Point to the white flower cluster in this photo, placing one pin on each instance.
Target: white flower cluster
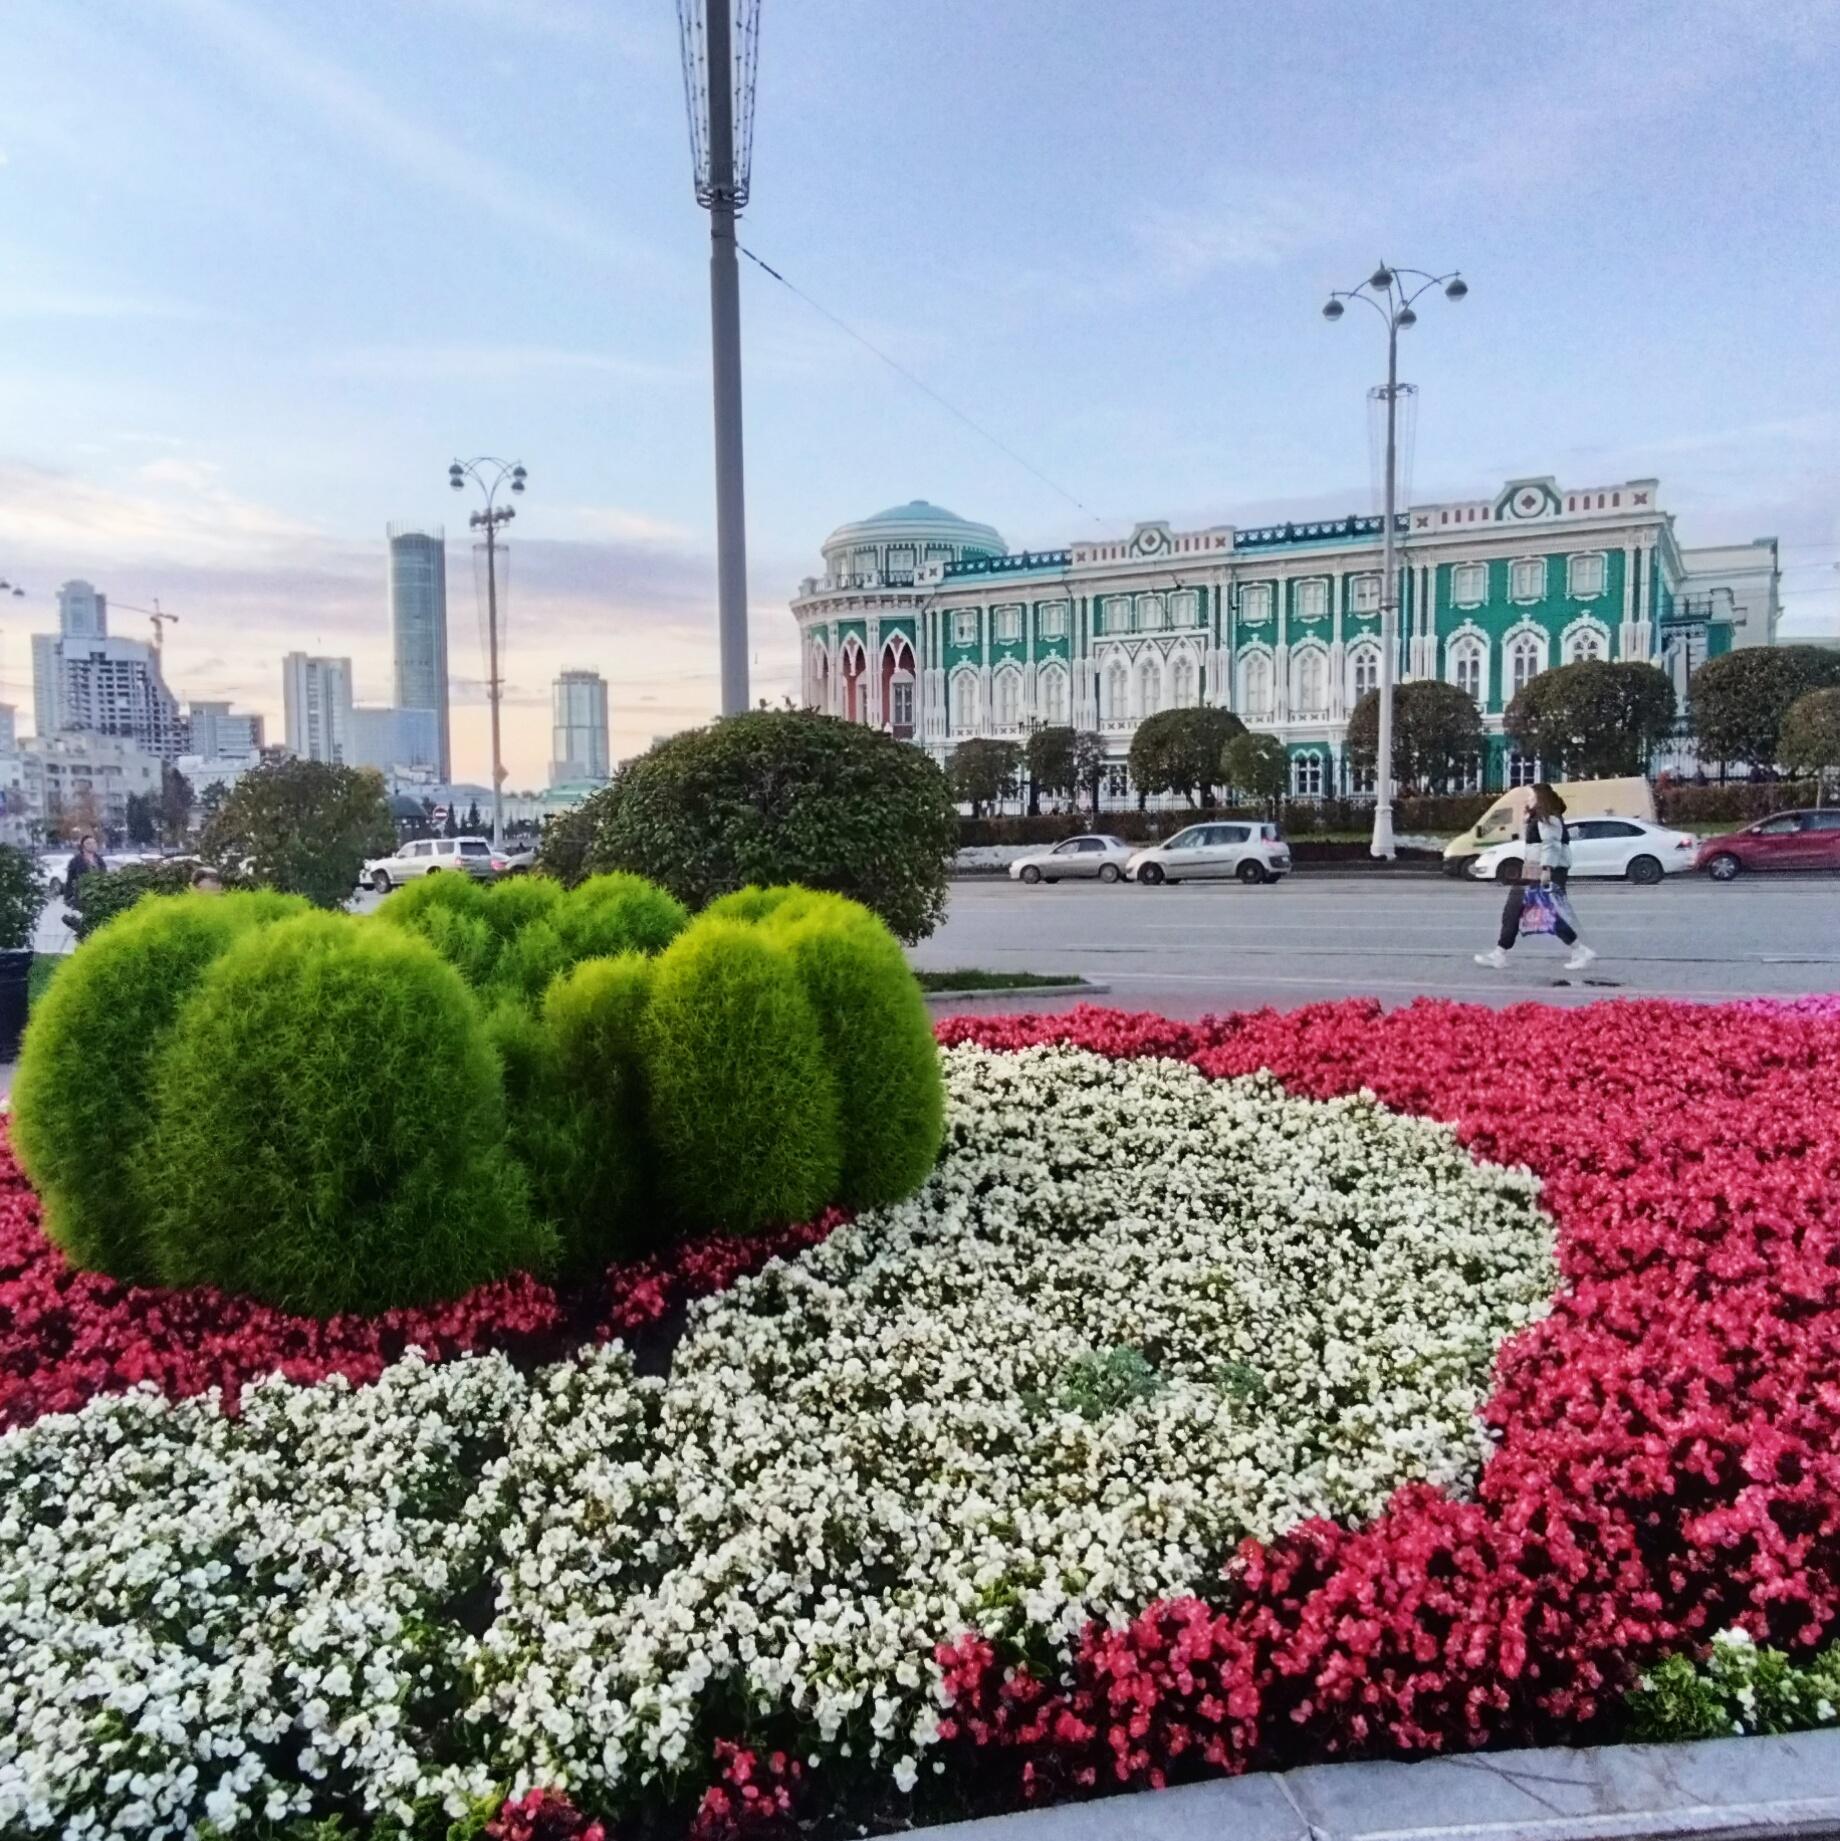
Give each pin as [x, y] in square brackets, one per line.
[1135, 1316]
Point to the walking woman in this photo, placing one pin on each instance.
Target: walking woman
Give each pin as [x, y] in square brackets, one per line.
[1546, 835]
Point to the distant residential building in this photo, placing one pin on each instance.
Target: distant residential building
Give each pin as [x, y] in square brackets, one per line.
[215, 730]
[82, 612]
[579, 747]
[393, 741]
[418, 628]
[84, 680]
[79, 779]
[9, 729]
[316, 696]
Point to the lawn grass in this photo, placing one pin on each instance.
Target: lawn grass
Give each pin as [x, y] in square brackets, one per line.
[993, 981]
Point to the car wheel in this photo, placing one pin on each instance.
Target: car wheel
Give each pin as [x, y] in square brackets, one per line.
[1645, 870]
[1030, 873]
[1108, 872]
[1250, 873]
[1723, 867]
[380, 881]
[1151, 875]
[1509, 869]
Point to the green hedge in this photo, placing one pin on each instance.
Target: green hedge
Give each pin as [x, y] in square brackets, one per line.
[330, 1128]
[82, 1102]
[1737, 803]
[101, 896]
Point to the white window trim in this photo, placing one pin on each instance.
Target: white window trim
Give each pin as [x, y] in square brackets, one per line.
[1523, 629]
[1472, 637]
[1585, 623]
[1359, 651]
[1575, 593]
[1462, 600]
[1051, 620]
[1261, 592]
[1051, 675]
[1357, 586]
[963, 617]
[1321, 584]
[1299, 655]
[965, 674]
[1545, 567]
[1249, 656]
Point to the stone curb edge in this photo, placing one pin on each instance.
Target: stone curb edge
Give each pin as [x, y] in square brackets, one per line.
[1756, 1789]
[1017, 994]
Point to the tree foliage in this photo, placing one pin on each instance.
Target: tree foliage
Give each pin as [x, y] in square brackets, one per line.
[1179, 751]
[1437, 734]
[1048, 756]
[1810, 742]
[301, 826]
[1257, 767]
[22, 898]
[175, 808]
[982, 772]
[143, 818]
[1739, 702]
[1593, 720]
[778, 796]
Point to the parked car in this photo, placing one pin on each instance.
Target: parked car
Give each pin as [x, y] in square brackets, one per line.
[1784, 840]
[520, 859]
[1252, 850]
[1633, 847]
[426, 856]
[1079, 857]
[1506, 819]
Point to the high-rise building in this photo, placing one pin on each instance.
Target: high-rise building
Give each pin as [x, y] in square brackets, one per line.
[47, 684]
[316, 694]
[579, 747]
[115, 687]
[82, 612]
[392, 740]
[9, 729]
[418, 628]
[217, 732]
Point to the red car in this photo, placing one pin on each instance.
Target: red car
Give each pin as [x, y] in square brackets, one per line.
[1784, 840]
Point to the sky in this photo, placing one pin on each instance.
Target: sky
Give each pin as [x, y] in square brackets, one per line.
[267, 266]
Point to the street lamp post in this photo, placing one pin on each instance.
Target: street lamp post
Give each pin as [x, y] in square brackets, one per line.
[489, 474]
[1390, 292]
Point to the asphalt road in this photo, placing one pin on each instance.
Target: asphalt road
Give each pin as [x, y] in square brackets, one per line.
[1218, 946]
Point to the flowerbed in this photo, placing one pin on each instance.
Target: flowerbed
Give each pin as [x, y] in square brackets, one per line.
[1184, 1423]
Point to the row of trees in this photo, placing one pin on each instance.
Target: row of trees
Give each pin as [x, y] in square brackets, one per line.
[1766, 706]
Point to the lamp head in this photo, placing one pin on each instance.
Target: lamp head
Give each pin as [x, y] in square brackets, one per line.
[1406, 317]
[1333, 310]
[456, 476]
[1455, 288]
[1381, 279]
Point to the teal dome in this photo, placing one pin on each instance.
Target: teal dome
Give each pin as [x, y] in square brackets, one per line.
[919, 523]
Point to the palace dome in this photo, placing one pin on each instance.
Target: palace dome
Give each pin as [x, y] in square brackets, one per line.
[920, 529]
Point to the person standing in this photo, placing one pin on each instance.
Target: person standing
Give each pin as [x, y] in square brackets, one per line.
[1545, 835]
[87, 862]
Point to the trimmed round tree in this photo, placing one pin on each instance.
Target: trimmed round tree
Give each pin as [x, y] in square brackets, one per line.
[617, 913]
[329, 1130]
[739, 1092]
[82, 1098]
[785, 796]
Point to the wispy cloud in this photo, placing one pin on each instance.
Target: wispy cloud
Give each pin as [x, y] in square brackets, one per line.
[356, 111]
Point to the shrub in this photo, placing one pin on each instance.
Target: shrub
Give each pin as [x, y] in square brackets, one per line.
[742, 1105]
[100, 897]
[1437, 733]
[22, 899]
[82, 1106]
[783, 796]
[303, 826]
[329, 1128]
[1736, 803]
[879, 1042]
[1738, 702]
[1811, 734]
[616, 913]
[1594, 720]
[1179, 751]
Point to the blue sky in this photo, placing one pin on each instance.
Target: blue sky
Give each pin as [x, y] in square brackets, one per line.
[266, 266]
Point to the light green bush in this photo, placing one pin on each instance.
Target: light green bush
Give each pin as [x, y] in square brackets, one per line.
[82, 1098]
[329, 1129]
[878, 1039]
[617, 913]
[740, 1096]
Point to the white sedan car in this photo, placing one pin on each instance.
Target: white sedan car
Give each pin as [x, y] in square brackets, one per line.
[1248, 849]
[1631, 847]
[1079, 858]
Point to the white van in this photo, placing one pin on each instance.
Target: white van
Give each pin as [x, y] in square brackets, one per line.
[1507, 817]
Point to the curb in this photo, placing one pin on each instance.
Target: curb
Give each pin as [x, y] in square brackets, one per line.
[1785, 1789]
[1021, 993]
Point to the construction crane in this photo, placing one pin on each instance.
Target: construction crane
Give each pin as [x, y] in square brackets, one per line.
[160, 621]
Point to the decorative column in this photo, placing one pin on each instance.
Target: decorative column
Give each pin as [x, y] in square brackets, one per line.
[1338, 650]
[1630, 642]
[872, 643]
[1281, 655]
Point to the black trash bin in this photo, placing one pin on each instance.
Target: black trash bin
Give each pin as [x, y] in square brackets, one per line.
[15, 976]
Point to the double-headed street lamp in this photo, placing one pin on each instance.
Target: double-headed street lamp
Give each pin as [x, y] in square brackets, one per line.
[1390, 292]
[12, 588]
[489, 474]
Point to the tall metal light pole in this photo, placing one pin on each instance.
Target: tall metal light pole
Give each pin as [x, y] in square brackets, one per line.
[720, 38]
[1390, 292]
[489, 474]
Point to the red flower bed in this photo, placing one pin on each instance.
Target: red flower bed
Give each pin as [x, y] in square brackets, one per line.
[66, 1336]
[1669, 1456]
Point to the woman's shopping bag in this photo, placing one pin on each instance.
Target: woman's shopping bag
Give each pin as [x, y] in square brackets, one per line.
[1539, 911]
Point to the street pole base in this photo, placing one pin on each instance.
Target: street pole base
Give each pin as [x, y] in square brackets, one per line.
[1382, 845]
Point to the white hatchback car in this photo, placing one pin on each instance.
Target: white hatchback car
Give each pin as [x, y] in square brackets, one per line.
[1078, 858]
[1630, 847]
[1251, 850]
[424, 856]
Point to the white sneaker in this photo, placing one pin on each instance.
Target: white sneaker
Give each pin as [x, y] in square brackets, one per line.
[1495, 959]
[1581, 957]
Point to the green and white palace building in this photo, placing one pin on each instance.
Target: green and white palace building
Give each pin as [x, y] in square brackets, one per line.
[926, 625]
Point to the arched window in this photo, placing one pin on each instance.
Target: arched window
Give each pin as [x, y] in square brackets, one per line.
[1311, 694]
[1182, 683]
[1117, 692]
[1255, 687]
[1526, 660]
[1364, 670]
[1307, 774]
[965, 703]
[1051, 695]
[1149, 687]
[855, 691]
[1009, 699]
[1466, 667]
[898, 687]
[1586, 643]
